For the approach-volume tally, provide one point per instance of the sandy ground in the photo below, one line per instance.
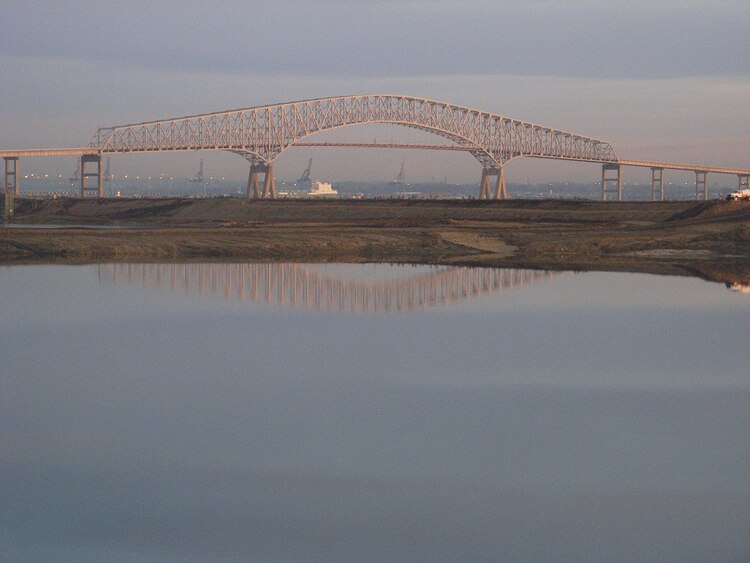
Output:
(708, 239)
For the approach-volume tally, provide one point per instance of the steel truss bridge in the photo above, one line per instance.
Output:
(260, 134)
(303, 286)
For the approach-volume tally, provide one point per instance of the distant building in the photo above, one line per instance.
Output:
(410, 195)
(322, 189)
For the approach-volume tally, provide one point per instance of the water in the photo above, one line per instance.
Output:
(371, 412)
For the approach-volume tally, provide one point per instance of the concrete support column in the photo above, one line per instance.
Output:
(496, 191)
(269, 182)
(100, 179)
(609, 180)
(743, 178)
(86, 174)
(657, 184)
(501, 191)
(10, 185)
(701, 184)
(484, 186)
(7, 205)
(252, 183)
(83, 177)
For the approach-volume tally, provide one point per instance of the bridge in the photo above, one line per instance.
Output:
(304, 286)
(260, 134)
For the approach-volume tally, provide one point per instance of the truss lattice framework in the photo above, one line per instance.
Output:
(264, 132)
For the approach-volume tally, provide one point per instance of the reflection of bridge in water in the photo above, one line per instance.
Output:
(739, 287)
(306, 286)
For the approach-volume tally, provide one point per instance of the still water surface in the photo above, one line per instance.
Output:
(371, 412)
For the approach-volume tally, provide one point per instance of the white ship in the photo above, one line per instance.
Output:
(322, 189)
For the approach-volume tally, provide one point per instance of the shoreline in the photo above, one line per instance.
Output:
(710, 240)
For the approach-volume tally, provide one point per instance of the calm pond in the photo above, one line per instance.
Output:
(276, 412)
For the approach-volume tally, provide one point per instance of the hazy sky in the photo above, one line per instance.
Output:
(663, 80)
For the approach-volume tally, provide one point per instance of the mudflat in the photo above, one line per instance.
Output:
(708, 239)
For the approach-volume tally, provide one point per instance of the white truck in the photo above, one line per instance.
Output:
(739, 194)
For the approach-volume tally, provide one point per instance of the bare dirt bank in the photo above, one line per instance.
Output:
(709, 239)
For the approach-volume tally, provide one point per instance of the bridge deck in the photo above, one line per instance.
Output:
(639, 163)
(688, 167)
(433, 147)
(80, 151)
(25, 153)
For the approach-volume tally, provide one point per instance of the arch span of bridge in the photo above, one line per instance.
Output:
(260, 134)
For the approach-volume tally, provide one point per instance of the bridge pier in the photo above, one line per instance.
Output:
(10, 184)
(607, 181)
(269, 182)
(657, 184)
(8, 202)
(701, 184)
(744, 184)
(7, 205)
(252, 183)
(85, 187)
(485, 189)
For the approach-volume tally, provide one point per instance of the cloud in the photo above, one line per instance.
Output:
(389, 38)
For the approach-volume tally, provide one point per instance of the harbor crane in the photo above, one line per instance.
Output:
(305, 178)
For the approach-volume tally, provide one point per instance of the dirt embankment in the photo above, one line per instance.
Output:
(237, 212)
(711, 239)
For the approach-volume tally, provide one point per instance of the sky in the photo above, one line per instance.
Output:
(662, 80)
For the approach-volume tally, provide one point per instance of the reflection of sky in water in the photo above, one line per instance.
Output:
(585, 417)
(374, 271)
